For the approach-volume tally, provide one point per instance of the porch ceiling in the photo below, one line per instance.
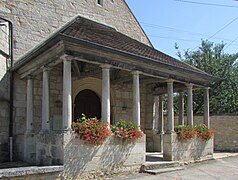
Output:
(87, 41)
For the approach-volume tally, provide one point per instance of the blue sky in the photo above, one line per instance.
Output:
(167, 22)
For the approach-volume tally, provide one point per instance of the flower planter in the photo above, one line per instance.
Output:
(186, 150)
(79, 158)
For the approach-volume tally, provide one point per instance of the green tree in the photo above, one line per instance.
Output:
(211, 58)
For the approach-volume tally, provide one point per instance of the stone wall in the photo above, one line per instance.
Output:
(193, 149)
(4, 48)
(226, 128)
(4, 92)
(34, 20)
(4, 118)
(78, 158)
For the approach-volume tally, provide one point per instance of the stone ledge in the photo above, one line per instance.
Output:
(23, 171)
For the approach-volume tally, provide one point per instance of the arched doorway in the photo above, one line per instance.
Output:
(87, 102)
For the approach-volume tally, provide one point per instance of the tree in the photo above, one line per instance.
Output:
(211, 58)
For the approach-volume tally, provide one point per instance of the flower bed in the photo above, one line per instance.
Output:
(94, 131)
(126, 130)
(90, 130)
(199, 130)
(189, 143)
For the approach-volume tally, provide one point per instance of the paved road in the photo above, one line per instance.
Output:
(220, 169)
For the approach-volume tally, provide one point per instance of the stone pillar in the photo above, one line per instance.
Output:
(106, 93)
(206, 107)
(67, 99)
(181, 108)
(45, 101)
(136, 98)
(29, 136)
(161, 114)
(156, 114)
(30, 105)
(190, 104)
(170, 116)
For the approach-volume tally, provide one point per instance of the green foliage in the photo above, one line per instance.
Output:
(211, 58)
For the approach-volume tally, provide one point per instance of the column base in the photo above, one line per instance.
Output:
(170, 132)
(169, 145)
(158, 142)
(30, 147)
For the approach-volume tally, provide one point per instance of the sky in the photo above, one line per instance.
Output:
(186, 22)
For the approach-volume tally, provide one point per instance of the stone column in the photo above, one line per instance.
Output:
(190, 104)
(29, 136)
(181, 108)
(45, 101)
(30, 105)
(170, 116)
(206, 107)
(161, 114)
(156, 114)
(106, 93)
(67, 99)
(136, 97)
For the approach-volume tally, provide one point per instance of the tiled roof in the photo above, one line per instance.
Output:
(106, 36)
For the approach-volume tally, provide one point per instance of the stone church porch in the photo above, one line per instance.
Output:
(125, 75)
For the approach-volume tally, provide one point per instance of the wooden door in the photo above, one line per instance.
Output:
(88, 103)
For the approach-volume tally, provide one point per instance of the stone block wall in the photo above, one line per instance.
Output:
(58, 148)
(193, 149)
(122, 103)
(4, 92)
(4, 49)
(49, 148)
(34, 20)
(226, 128)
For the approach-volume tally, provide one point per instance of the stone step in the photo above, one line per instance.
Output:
(164, 170)
(159, 165)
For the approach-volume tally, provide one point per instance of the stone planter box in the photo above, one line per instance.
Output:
(190, 150)
(62, 148)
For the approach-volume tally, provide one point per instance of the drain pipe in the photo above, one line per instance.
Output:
(11, 87)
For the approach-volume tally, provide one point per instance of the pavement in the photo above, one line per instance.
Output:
(224, 166)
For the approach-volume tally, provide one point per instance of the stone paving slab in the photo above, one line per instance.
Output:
(22, 171)
(164, 170)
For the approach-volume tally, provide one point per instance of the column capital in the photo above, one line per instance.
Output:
(66, 57)
(207, 88)
(30, 77)
(105, 66)
(135, 72)
(189, 85)
(169, 81)
(45, 68)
